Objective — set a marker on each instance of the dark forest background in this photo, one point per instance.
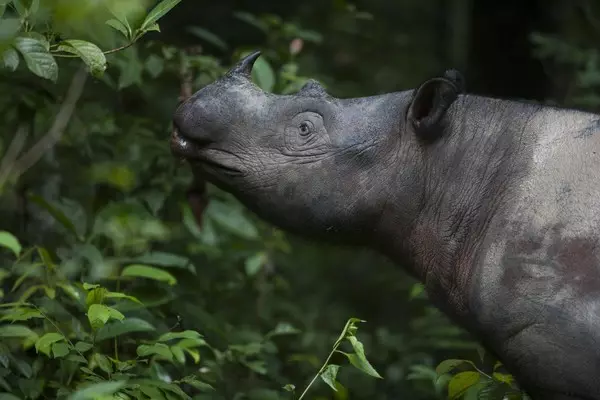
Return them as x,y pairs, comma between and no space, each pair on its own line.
111,289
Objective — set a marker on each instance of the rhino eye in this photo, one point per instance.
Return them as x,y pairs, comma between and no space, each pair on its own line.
306,128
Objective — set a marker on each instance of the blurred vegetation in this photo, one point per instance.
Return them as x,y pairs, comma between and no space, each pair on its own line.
110,288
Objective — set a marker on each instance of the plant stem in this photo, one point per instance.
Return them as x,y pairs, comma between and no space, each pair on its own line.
335,346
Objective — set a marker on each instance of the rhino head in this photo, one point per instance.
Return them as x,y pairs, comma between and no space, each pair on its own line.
311,163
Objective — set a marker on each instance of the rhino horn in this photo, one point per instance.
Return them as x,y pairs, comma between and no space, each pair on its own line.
244,67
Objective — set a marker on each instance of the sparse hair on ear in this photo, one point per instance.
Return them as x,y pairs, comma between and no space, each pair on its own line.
431,101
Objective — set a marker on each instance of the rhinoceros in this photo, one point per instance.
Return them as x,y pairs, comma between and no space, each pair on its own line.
493,204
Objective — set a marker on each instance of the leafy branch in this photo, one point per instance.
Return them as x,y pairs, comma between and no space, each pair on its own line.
328,372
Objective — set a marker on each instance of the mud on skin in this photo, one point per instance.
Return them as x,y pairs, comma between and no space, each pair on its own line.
493,204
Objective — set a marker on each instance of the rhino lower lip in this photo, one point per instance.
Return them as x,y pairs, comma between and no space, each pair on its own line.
195,153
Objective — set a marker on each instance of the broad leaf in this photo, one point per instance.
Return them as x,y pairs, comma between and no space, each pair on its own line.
60,349
129,325
330,374
16,331
145,271
461,382
9,241
99,314
98,390
120,26
37,57
91,54
179,335
159,349
44,343
157,13
359,360
448,365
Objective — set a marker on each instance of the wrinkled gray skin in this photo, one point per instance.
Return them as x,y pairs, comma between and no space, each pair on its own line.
493,204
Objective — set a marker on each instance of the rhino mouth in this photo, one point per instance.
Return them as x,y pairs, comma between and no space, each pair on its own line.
196,152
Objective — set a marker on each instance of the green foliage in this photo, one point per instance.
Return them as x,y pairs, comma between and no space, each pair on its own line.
117,292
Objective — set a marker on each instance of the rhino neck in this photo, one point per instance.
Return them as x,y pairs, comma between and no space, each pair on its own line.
466,178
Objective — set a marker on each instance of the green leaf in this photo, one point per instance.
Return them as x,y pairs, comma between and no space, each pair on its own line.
157,13
359,360
98,390
120,26
232,218
37,57
117,295
56,213
448,365
145,271
155,66
164,259
263,74
330,374
10,59
9,241
83,347
22,314
153,27
178,353
91,54
99,314
202,386
160,349
16,331
193,335
208,36
60,350
129,325
103,362
461,382
255,262
43,344
95,296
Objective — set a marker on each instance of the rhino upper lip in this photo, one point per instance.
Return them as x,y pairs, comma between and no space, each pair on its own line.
195,151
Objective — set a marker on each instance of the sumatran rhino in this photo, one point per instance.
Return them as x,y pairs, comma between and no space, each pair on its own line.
493,204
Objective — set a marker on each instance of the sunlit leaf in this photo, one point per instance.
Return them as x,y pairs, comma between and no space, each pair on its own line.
99,314
460,382
98,390
44,343
91,54
157,13
145,271
9,241
38,59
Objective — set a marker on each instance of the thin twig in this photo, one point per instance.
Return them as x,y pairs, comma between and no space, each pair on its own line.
61,121
13,151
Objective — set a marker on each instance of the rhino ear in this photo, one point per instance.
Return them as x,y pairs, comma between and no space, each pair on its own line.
312,88
431,101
